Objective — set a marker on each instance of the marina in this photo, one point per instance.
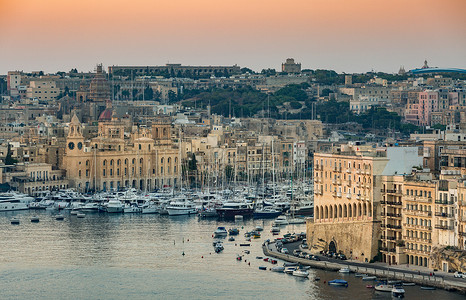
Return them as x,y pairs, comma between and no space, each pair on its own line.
142,254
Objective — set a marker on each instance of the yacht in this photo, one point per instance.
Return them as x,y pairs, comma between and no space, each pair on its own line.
301,273
230,210
114,206
281,220
220,231
150,208
14,201
266,212
90,207
177,208
398,292
344,270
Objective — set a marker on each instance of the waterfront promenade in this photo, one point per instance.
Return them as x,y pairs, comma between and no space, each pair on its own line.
421,277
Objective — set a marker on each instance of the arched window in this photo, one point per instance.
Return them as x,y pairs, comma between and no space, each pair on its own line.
105,162
134,161
111,162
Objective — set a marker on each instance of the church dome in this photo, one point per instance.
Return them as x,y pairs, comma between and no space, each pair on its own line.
106,115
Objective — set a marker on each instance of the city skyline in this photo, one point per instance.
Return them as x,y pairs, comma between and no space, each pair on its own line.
351,37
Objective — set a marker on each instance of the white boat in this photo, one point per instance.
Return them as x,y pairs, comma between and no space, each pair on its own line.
296,221
74,212
278,269
114,206
90,207
344,270
368,278
14,201
281,220
301,273
177,208
14,221
150,208
80,215
59,217
132,209
220,231
398,292
289,270
35,219
383,287
275,229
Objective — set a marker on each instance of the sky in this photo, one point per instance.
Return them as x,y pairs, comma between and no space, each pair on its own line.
349,36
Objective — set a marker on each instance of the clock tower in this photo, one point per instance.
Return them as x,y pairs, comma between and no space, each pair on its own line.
75,139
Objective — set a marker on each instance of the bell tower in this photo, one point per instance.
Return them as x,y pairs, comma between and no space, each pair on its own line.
75,139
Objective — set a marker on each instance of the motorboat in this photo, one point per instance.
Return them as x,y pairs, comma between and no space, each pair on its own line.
177,208
275,230
408,284
233,231
258,228
360,275
344,270
80,215
338,282
133,208
369,278
289,270
218,247
59,217
35,219
281,220
90,207
220,231
74,211
262,268
14,201
296,221
230,210
208,213
266,212
150,208
301,273
14,221
398,292
114,206
231,239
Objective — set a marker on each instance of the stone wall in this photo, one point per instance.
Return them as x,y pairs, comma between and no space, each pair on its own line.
357,240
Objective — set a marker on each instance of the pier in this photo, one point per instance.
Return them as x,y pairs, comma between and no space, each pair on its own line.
355,267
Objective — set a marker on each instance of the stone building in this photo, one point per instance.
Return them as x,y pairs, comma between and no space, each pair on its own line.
290,66
144,159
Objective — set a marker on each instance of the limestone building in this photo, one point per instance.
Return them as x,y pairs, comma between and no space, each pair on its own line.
290,66
144,159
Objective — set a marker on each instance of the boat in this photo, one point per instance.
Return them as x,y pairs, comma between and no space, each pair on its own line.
220,231
369,286
14,221
398,292
231,239
208,213
12,201
35,219
149,208
290,264
338,282
59,217
266,212
369,278
301,273
90,207
290,270
74,211
245,245
256,235
275,230
258,228
408,284
262,268
301,267
344,270
230,210
360,275
233,231
178,208
239,258
278,269
382,287
80,215
296,221
246,251
428,288
114,206
218,247
281,220
132,209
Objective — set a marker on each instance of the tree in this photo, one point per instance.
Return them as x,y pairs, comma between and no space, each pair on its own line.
9,160
229,172
247,70
148,93
269,72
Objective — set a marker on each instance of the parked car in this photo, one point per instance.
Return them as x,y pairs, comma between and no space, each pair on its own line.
460,275
284,251
342,257
302,255
296,252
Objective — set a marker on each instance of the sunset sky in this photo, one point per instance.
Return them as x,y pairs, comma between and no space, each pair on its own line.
344,35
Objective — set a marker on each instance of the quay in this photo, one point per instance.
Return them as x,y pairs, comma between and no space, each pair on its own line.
357,267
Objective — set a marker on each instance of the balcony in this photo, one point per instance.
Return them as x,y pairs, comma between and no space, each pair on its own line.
417,239
358,171
418,227
443,227
391,238
393,226
339,194
348,196
348,183
394,203
443,202
462,233
348,170
443,215
419,213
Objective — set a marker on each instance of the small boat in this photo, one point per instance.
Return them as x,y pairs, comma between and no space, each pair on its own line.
360,275
304,267
266,259
398,292
218,247
262,268
290,264
301,273
14,221
338,282
35,219
289,270
132,209
275,230
258,228
344,270
408,284
383,287
231,239
80,215
74,211
233,231
427,288
248,239
278,269
246,251
59,217
296,221
245,245
316,278
273,261
220,231
238,258
369,278
259,257
281,220
369,286
256,235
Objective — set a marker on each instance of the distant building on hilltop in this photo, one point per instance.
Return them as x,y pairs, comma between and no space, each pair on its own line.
291,67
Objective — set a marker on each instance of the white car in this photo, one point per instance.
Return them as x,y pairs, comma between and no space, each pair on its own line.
284,251
459,275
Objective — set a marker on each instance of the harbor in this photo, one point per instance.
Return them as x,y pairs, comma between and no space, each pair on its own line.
142,254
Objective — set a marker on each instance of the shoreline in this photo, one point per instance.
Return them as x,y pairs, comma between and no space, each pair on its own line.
422,280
